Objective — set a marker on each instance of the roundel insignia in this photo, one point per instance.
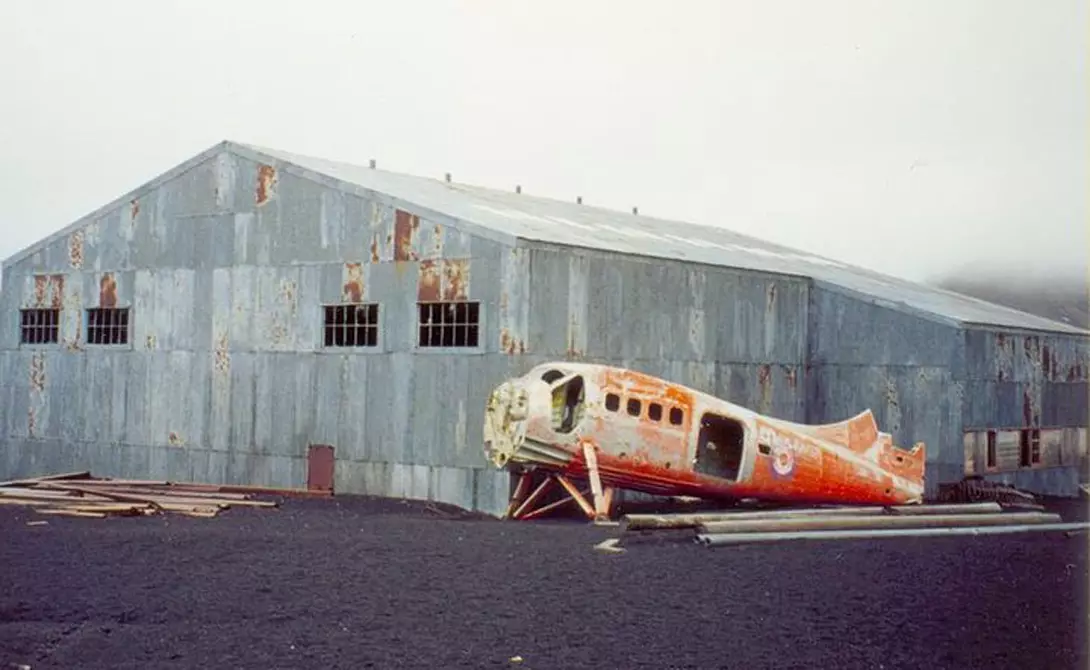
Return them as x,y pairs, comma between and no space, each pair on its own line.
783,460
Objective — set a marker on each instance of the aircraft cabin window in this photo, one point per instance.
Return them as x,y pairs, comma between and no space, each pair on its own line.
654,411
676,416
613,402
633,407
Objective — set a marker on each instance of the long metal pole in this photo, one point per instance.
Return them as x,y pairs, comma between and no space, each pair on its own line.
694,519
888,521
751,538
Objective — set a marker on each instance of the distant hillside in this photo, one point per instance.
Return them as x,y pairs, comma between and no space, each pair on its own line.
1065,300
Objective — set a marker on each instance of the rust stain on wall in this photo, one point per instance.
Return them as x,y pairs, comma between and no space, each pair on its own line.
134,210
405,227
791,374
573,329
40,284
1046,363
75,249
428,285
374,248
222,360
37,373
31,422
57,297
175,440
437,242
149,342
266,182
455,279
509,344
1031,411
107,291
770,302
764,380
353,289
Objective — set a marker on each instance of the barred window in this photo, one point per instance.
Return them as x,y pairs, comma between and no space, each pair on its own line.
108,325
39,326
449,324
351,325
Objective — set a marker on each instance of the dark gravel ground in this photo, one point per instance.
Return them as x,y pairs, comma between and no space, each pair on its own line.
361,583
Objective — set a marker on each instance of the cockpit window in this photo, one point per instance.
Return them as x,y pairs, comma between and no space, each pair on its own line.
551,376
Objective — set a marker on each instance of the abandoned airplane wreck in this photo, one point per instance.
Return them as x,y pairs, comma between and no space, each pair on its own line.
262,318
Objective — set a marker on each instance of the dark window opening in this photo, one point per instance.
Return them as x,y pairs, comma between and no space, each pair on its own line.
613,402
764,449
568,405
719,447
654,411
1029,451
449,324
108,325
991,456
676,416
351,325
39,326
633,407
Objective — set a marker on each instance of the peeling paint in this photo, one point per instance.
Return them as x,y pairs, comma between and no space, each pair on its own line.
107,291
764,380
405,227
40,282
573,351
175,440
32,422
437,242
134,210
375,248
222,356
353,289
791,374
428,286
509,344
149,342
37,372
266,183
455,284
75,249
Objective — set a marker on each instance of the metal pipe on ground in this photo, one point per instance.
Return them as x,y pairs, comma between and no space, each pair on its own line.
720,540
887,521
694,519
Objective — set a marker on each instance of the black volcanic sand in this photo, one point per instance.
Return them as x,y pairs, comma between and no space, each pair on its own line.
363,583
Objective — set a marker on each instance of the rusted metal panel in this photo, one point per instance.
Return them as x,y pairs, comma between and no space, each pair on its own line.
44,292
514,304
455,280
107,292
266,184
406,226
75,250
354,286
429,283
578,286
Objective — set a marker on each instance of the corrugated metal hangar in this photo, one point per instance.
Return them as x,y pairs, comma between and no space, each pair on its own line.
216,323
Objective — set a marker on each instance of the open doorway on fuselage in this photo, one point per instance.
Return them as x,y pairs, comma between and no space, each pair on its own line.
720,446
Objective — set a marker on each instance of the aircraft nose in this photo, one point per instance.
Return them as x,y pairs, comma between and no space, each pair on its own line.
505,422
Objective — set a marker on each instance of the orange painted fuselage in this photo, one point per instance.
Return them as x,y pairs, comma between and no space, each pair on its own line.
662,438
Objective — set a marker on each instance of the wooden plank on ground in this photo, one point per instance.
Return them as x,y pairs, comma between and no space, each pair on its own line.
82,474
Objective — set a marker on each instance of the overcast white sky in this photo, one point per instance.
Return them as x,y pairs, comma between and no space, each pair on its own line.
914,137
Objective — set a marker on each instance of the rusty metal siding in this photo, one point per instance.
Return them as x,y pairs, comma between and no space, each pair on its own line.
864,354
1019,379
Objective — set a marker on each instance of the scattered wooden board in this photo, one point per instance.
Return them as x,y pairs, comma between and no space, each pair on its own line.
78,494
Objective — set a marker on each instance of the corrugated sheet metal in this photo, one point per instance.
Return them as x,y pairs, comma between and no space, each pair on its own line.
226,265
509,214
